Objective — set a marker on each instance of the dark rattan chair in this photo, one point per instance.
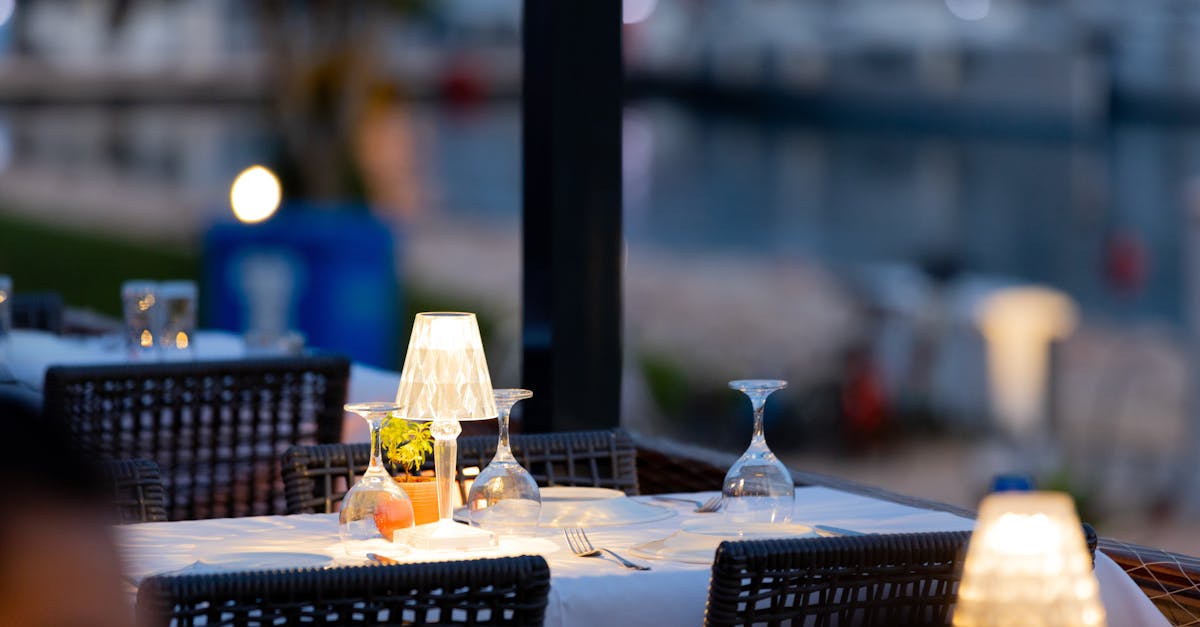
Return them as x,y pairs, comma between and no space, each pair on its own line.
1170,580
504,591
316,477
137,490
660,472
864,581
883,580
215,428
42,311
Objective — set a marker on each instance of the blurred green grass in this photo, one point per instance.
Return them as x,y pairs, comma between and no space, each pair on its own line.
85,268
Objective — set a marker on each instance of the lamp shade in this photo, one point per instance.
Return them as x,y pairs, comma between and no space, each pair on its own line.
1019,324
1028,564
445,374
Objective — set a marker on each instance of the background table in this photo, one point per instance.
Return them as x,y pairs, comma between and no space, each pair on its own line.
31,353
585,591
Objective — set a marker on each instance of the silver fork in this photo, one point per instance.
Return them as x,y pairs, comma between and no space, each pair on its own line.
669,499
707,507
581,546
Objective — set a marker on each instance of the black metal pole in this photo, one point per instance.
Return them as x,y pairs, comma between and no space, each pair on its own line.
571,119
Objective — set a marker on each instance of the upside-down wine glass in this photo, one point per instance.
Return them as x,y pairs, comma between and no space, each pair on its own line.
758,487
504,497
375,507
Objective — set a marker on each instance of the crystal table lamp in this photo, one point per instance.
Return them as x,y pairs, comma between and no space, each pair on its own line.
1028,564
445,380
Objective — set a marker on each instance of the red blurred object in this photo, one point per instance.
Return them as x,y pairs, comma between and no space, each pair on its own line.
462,83
1125,262
864,403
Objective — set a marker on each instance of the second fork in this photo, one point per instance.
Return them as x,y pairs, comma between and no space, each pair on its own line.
581,546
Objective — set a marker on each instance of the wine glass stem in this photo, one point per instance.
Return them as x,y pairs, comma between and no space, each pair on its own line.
376,444
758,437
503,451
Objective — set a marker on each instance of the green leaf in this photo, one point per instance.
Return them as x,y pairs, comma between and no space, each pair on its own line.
406,443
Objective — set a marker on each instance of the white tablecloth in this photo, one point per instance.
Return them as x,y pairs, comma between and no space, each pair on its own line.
584,591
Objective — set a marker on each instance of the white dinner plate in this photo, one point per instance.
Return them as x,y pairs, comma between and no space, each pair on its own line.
697,542
564,506
571,493
729,530
508,546
606,512
265,560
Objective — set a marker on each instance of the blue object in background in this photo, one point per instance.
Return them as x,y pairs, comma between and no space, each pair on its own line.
1012,483
333,272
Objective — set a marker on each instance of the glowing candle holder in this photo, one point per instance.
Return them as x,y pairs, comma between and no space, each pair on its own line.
445,380
139,301
1028,564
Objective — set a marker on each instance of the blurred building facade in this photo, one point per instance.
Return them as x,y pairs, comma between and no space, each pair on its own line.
822,180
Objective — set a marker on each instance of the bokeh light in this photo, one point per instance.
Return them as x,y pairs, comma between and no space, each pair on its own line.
7,7
634,11
255,194
969,10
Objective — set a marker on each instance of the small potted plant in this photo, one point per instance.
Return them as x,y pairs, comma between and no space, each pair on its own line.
405,445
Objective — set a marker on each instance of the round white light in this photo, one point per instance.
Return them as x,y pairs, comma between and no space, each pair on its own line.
969,10
634,11
7,7
255,194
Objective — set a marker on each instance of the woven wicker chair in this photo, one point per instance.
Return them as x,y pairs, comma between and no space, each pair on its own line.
871,580
137,490
316,477
215,428
884,580
41,311
1170,580
504,591
660,472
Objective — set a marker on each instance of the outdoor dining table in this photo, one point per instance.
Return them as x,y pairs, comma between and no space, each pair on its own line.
584,591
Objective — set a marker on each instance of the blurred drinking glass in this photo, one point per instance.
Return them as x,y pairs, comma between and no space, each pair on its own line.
177,299
5,317
139,300
268,284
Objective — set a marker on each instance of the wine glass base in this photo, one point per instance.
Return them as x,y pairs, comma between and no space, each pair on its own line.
446,535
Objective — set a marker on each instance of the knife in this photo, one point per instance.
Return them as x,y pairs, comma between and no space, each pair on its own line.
837,531
381,558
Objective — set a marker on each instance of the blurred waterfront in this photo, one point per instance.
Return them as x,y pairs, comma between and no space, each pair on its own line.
824,192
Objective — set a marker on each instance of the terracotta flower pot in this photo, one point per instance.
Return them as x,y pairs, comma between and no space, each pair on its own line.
422,491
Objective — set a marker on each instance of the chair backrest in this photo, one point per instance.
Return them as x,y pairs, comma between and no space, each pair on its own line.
317,477
137,486
599,459
503,591
42,311
870,580
215,428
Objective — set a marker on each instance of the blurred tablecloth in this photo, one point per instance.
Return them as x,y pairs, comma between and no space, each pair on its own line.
583,591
